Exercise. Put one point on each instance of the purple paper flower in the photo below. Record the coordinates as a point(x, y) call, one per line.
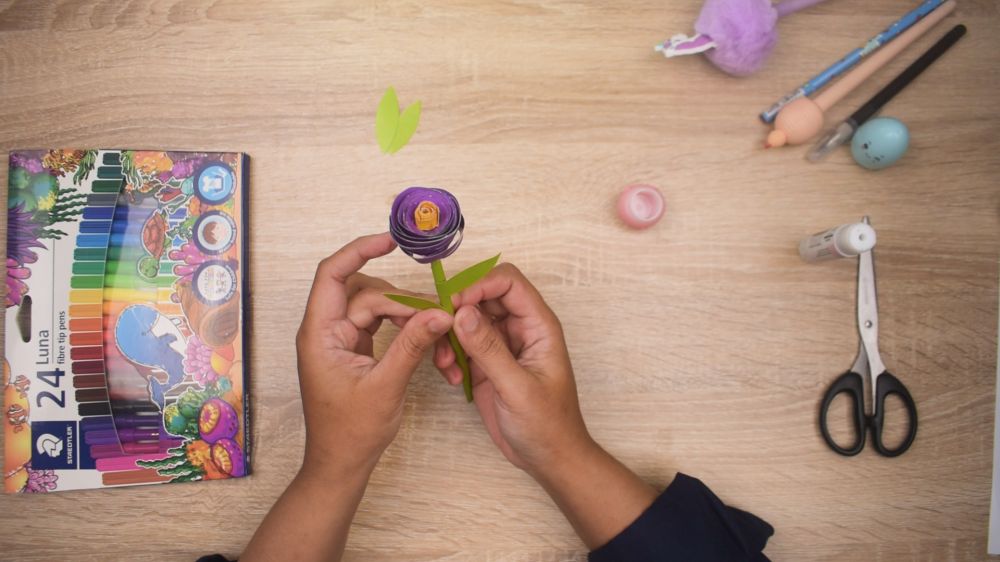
point(426, 223)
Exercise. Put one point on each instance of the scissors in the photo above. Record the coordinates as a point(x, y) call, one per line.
point(868, 364)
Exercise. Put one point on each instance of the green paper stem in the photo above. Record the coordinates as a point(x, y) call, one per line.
point(412, 302)
point(441, 285)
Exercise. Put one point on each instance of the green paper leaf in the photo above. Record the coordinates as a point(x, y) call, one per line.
point(387, 119)
point(468, 277)
point(408, 122)
point(413, 302)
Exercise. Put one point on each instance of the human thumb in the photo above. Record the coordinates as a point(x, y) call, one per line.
point(484, 345)
point(414, 339)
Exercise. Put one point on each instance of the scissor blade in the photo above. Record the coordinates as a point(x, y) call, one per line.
point(862, 367)
point(868, 314)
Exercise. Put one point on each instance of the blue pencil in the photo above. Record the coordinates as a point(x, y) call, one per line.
point(852, 58)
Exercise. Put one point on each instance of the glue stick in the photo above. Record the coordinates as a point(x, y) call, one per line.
point(844, 241)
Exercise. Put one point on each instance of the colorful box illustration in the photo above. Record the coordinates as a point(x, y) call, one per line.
point(126, 292)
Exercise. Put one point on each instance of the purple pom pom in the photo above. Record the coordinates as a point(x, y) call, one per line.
point(744, 32)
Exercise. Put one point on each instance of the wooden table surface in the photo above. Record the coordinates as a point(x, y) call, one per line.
point(701, 345)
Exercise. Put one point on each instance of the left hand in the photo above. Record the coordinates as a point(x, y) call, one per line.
point(353, 404)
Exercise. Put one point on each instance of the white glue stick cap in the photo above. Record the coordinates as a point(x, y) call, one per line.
point(855, 238)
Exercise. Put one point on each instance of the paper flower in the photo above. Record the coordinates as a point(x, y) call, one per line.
point(427, 223)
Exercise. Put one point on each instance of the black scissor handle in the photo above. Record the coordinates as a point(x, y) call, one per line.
point(851, 383)
point(888, 384)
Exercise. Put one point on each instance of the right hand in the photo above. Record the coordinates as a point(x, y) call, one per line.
point(524, 389)
point(521, 373)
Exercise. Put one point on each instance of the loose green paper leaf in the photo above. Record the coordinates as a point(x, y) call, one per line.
point(392, 129)
point(387, 119)
point(413, 302)
point(408, 121)
point(468, 277)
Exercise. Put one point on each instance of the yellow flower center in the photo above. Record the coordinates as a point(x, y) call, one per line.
point(427, 216)
point(221, 457)
point(210, 414)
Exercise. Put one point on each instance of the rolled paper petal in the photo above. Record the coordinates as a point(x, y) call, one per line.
point(427, 216)
point(439, 241)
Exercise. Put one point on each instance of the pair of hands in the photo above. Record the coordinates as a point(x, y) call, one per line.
point(522, 379)
point(522, 382)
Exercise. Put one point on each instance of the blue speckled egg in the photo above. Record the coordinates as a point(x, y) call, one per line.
point(880, 142)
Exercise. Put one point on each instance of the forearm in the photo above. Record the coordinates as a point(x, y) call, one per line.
point(598, 494)
point(312, 518)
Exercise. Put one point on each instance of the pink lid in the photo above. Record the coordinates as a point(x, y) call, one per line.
point(640, 206)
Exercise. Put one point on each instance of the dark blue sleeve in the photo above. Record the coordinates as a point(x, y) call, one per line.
point(688, 522)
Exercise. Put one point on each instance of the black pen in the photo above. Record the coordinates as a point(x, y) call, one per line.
point(843, 132)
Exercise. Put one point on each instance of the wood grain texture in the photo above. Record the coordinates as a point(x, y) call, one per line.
point(702, 345)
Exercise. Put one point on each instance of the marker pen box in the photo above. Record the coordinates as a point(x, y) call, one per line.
point(125, 319)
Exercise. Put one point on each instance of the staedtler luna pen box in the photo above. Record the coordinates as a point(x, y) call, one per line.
point(125, 338)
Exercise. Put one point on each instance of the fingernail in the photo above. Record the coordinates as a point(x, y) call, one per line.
point(438, 324)
point(470, 320)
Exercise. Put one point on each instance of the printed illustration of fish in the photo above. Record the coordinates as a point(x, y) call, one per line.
point(147, 338)
point(17, 417)
point(22, 384)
